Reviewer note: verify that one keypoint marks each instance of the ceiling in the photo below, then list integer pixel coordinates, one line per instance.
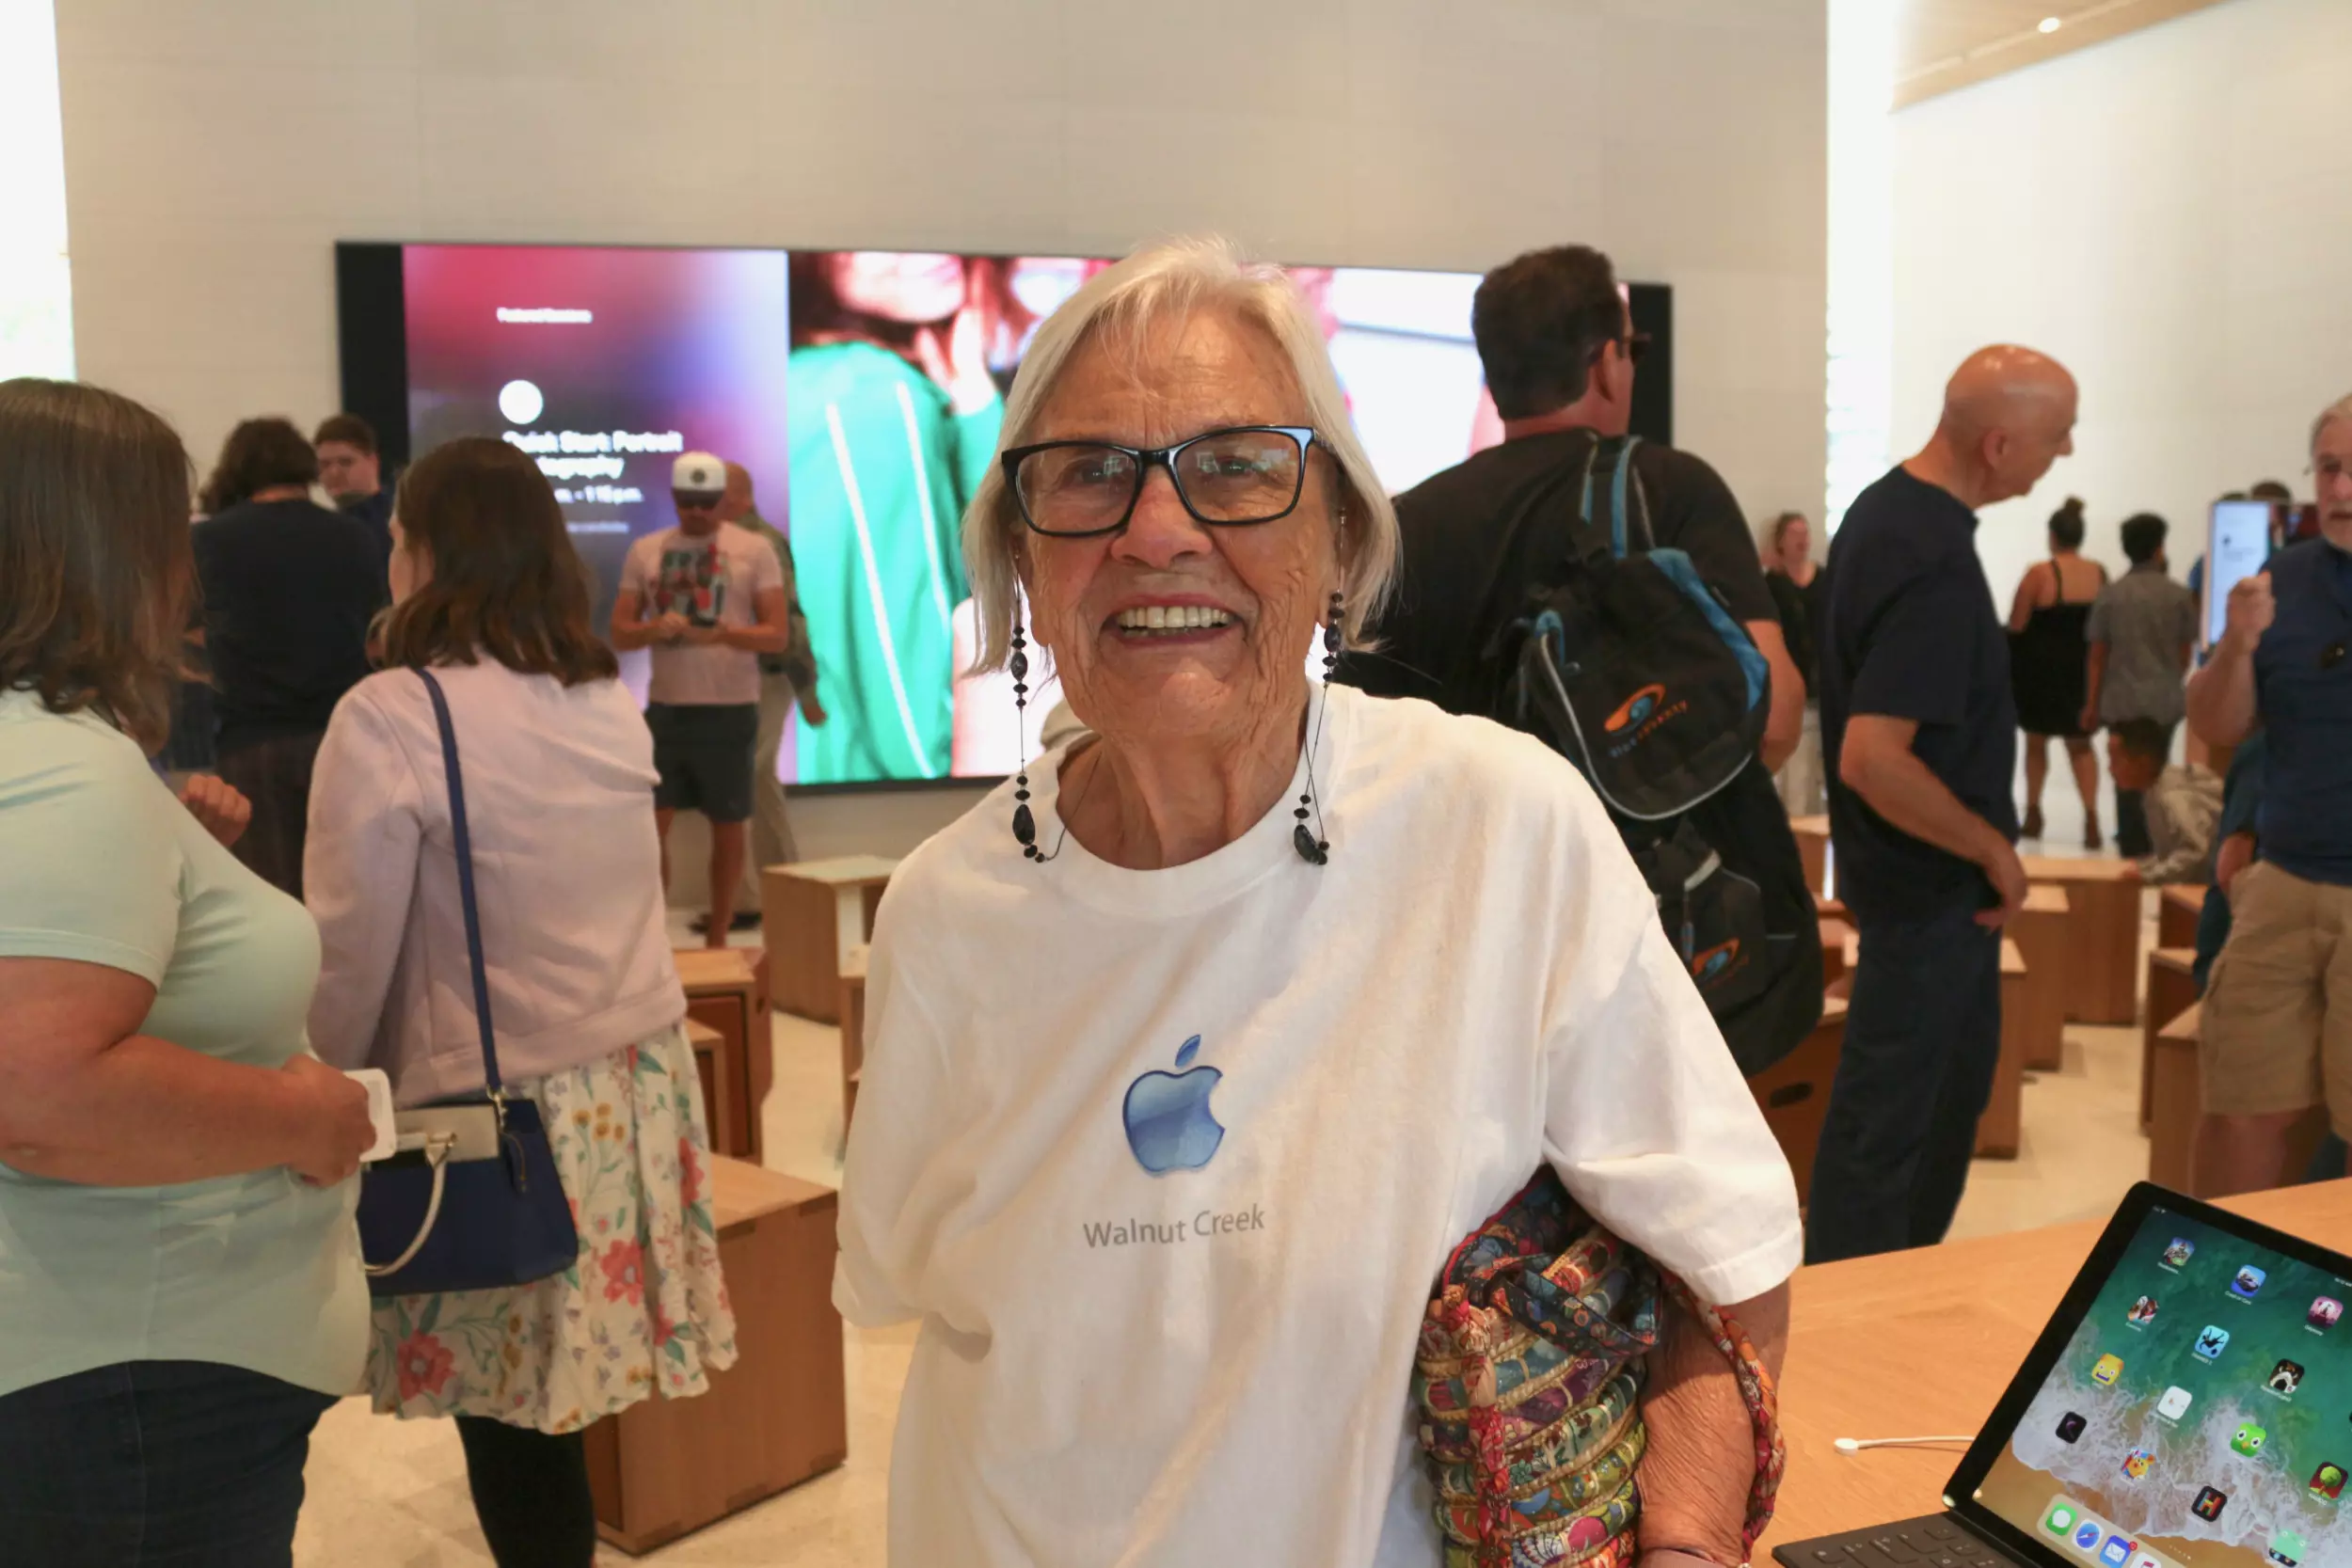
(1944, 44)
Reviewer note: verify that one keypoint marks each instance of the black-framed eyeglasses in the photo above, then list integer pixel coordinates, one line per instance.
(1232, 477)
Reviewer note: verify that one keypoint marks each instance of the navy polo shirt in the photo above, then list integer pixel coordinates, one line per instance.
(2303, 683)
(1912, 633)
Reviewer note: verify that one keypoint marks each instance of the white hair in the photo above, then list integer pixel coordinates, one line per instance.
(1165, 282)
(2339, 410)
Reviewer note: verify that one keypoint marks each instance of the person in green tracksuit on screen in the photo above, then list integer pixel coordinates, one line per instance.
(893, 420)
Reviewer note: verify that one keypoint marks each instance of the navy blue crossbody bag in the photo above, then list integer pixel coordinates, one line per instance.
(471, 1200)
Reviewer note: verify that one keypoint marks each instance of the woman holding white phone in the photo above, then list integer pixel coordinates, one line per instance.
(557, 766)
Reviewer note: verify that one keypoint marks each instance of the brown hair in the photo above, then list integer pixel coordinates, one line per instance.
(96, 571)
(1780, 526)
(506, 580)
(1538, 321)
(259, 455)
(350, 429)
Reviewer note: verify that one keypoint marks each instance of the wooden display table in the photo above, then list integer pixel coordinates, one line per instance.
(814, 911)
(2179, 908)
(2000, 1131)
(779, 1416)
(2102, 917)
(853, 1032)
(1924, 1341)
(2041, 933)
(1793, 1092)
(722, 994)
(1812, 835)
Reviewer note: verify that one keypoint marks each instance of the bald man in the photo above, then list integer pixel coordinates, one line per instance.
(1918, 738)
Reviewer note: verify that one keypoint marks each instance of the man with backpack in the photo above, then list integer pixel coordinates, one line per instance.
(1557, 341)
(1604, 593)
(1918, 738)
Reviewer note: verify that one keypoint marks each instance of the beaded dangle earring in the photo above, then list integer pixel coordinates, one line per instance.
(1314, 847)
(1024, 820)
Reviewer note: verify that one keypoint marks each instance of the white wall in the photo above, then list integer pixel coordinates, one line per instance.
(2170, 213)
(215, 154)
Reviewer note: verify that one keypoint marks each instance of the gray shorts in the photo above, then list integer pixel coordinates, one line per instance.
(704, 755)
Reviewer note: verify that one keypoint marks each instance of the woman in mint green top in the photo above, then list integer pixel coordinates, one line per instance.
(181, 1293)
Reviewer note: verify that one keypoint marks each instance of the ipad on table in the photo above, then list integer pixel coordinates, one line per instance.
(2188, 1406)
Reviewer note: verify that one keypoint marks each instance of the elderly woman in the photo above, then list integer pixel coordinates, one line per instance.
(1193, 1052)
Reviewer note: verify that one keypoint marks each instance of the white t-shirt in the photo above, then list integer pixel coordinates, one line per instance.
(1212, 1365)
(713, 581)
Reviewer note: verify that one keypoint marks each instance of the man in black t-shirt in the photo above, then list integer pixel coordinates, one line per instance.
(1558, 345)
(290, 589)
(1918, 738)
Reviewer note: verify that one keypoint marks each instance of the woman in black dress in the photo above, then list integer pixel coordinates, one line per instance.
(2048, 665)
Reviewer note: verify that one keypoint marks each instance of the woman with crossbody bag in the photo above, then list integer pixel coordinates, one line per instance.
(491, 608)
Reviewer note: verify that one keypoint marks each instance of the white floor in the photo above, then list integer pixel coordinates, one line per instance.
(388, 1494)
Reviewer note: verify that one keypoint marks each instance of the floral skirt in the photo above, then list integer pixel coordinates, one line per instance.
(644, 1310)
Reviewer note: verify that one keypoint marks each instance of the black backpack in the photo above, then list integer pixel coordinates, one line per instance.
(1631, 666)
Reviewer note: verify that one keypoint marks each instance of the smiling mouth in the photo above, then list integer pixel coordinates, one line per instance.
(1174, 620)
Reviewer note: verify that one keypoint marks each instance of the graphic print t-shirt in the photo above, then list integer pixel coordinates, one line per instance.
(1168, 1161)
(713, 581)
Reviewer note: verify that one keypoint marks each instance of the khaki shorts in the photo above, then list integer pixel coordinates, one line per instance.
(2277, 1015)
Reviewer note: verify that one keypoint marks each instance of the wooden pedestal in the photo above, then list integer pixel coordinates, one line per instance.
(1794, 1091)
(1834, 963)
(2103, 923)
(2176, 1100)
(723, 994)
(1999, 1130)
(777, 1417)
(2179, 907)
(2041, 933)
(711, 1067)
(852, 1033)
(1812, 835)
(812, 913)
(2171, 991)
(2172, 1097)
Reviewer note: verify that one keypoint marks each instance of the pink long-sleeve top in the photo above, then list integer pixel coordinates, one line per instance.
(567, 875)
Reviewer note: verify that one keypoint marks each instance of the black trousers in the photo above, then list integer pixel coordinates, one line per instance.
(1923, 1036)
(530, 1493)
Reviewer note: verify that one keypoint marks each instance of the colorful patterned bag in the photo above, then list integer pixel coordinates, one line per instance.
(1528, 1383)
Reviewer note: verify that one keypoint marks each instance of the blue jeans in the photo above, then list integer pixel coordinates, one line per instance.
(154, 1464)
(1923, 1036)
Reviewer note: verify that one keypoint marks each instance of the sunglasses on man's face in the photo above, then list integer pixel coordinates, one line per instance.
(695, 501)
(1633, 345)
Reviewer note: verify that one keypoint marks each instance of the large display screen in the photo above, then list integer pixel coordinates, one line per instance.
(2197, 1416)
(863, 391)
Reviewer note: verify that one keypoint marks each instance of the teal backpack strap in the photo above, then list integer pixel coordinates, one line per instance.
(1621, 456)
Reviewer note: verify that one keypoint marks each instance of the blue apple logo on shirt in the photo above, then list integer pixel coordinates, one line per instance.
(1168, 1124)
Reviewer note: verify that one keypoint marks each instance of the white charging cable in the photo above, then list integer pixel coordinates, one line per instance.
(1855, 1444)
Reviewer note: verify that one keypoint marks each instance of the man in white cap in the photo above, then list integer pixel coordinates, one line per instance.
(708, 598)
